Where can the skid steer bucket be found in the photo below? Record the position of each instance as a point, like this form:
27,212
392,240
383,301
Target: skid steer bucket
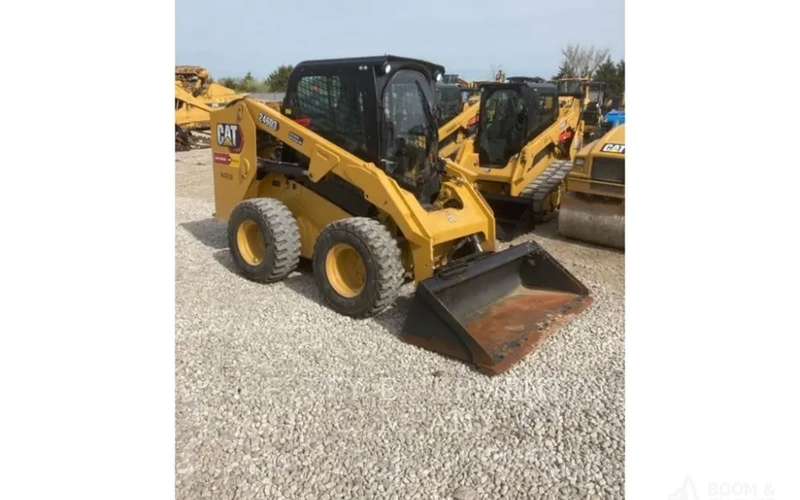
593,219
493,309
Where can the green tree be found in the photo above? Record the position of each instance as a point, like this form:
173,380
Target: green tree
564,71
613,75
248,84
278,80
607,72
228,82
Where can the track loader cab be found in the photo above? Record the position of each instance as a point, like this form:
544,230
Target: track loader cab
525,79
511,114
451,101
594,98
571,87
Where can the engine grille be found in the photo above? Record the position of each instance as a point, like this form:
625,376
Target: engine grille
609,170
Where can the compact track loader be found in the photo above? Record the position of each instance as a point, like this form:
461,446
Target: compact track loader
348,175
593,207
520,155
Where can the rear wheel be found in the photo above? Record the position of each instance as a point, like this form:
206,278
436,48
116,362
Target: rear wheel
357,266
264,239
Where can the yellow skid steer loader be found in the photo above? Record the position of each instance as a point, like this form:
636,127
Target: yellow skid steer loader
348,175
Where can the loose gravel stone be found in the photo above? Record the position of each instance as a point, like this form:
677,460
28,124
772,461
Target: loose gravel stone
464,493
279,397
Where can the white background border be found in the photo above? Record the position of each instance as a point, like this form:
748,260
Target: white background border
87,357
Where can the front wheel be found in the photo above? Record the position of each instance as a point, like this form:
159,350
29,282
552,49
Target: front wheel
357,266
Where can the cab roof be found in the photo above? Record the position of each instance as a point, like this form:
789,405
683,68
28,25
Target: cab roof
373,61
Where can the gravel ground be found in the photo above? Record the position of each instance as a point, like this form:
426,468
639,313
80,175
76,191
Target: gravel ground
278,397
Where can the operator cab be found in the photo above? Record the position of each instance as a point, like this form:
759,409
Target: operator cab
451,101
593,101
570,87
381,109
511,114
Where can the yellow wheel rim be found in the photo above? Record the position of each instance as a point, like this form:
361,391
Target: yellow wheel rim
345,269
252,246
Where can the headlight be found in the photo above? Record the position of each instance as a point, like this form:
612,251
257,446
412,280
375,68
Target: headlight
579,162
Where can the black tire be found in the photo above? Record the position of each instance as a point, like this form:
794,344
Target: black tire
382,262
279,241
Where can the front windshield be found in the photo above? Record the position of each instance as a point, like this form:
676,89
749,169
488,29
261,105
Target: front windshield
502,127
409,129
570,87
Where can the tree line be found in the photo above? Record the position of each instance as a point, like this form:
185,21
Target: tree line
594,63
578,61
277,81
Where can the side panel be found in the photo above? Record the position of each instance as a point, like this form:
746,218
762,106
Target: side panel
311,211
233,150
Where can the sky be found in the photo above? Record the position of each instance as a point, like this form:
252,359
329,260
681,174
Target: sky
467,37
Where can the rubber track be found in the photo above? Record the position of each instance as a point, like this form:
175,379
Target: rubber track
387,256
285,233
547,182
